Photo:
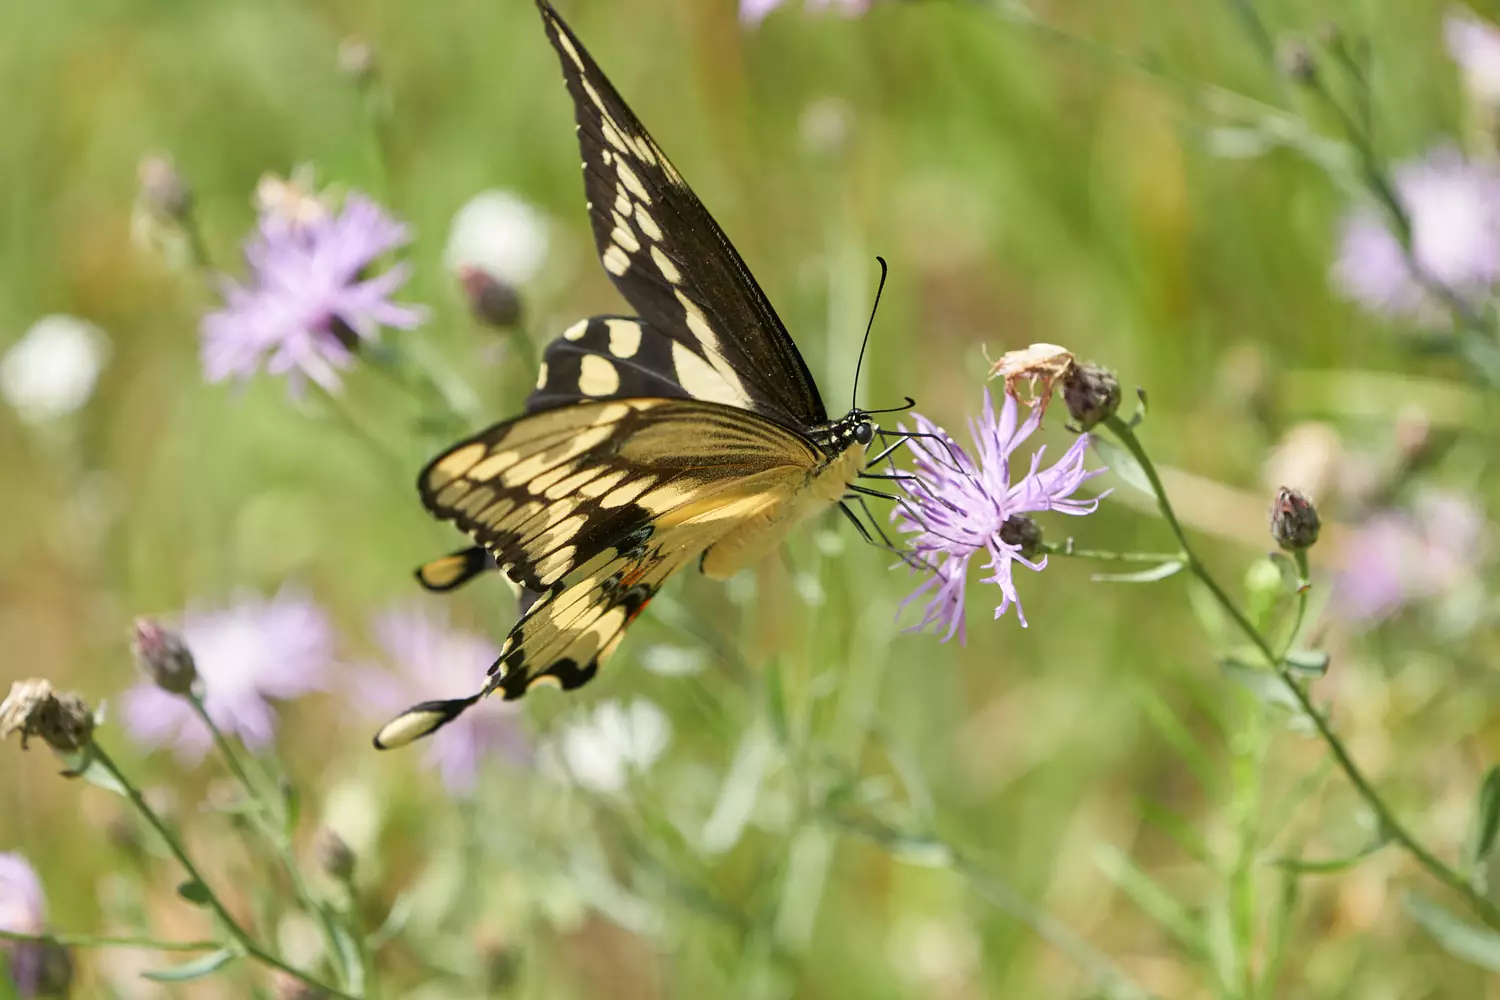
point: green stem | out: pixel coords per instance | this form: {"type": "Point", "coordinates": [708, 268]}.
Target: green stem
{"type": "Point", "coordinates": [1067, 548]}
{"type": "Point", "coordinates": [110, 941]}
{"type": "Point", "coordinates": [266, 823]}
{"type": "Point", "coordinates": [242, 938]}
{"type": "Point", "coordinates": [1383, 813]}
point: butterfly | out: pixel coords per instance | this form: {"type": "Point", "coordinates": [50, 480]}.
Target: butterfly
{"type": "Point", "coordinates": [690, 431]}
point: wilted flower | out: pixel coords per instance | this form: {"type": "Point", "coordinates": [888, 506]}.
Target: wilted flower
{"type": "Point", "coordinates": [1091, 394]}
{"type": "Point", "coordinates": [492, 301]}
{"type": "Point", "coordinates": [62, 719]}
{"type": "Point", "coordinates": [753, 11]}
{"type": "Point", "coordinates": [308, 303]}
{"type": "Point", "coordinates": [434, 661]}
{"type": "Point", "coordinates": [1453, 206]}
{"type": "Point", "coordinates": [50, 372]}
{"type": "Point", "coordinates": [958, 507]}
{"type": "Point", "coordinates": [1475, 47]}
{"type": "Point", "coordinates": [1396, 557]}
{"type": "Point", "coordinates": [247, 654]}
{"type": "Point", "coordinates": [603, 748]}
{"type": "Point", "coordinates": [502, 235]}
{"type": "Point", "coordinates": [333, 854]}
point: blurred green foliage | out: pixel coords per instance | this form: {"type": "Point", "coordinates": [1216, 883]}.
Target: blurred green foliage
{"type": "Point", "coordinates": [1024, 189]}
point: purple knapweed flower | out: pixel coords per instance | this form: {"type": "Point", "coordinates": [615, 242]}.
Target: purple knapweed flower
{"type": "Point", "coordinates": [1453, 206]}
{"type": "Point", "coordinates": [754, 11]}
{"type": "Point", "coordinates": [1397, 557]}
{"type": "Point", "coordinates": [958, 507]}
{"type": "Point", "coordinates": [433, 661]}
{"type": "Point", "coordinates": [246, 655]}
{"type": "Point", "coordinates": [23, 910]}
{"type": "Point", "coordinates": [308, 302]}
{"type": "Point", "coordinates": [1475, 46]}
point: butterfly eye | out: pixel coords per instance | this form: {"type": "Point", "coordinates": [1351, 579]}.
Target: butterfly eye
{"type": "Point", "coordinates": [864, 432]}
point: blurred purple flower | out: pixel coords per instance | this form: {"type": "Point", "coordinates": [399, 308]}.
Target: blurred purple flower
{"type": "Point", "coordinates": [1453, 205]}
{"type": "Point", "coordinates": [307, 304]}
{"type": "Point", "coordinates": [959, 508]}
{"type": "Point", "coordinates": [23, 910]}
{"type": "Point", "coordinates": [1397, 557]}
{"type": "Point", "coordinates": [434, 661]}
{"type": "Point", "coordinates": [246, 654]}
{"type": "Point", "coordinates": [1475, 47]}
{"type": "Point", "coordinates": [754, 11]}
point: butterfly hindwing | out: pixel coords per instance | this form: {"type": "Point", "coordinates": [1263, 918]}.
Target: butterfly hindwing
{"type": "Point", "coordinates": [669, 257]}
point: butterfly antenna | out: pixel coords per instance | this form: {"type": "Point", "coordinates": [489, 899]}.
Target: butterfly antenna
{"type": "Point", "coordinates": [884, 269]}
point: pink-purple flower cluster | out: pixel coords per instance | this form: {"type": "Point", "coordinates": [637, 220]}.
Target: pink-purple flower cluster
{"type": "Point", "coordinates": [309, 300]}
{"type": "Point", "coordinates": [959, 507]}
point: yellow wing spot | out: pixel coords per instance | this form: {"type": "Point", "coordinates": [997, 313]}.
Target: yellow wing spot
{"type": "Point", "coordinates": [609, 649]}
{"type": "Point", "coordinates": [541, 376]}
{"type": "Point", "coordinates": [622, 496]}
{"type": "Point", "coordinates": [701, 379]}
{"type": "Point", "coordinates": [577, 330]}
{"type": "Point", "coordinates": [443, 571]}
{"type": "Point", "coordinates": [450, 494]}
{"type": "Point", "coordinates": [543, 680]}
{"type": "Point", "coordinates": [602, 485]}
{"type": "Point", "coordinates": [616, 261]}
{"type": "Point", "coordinates": [665, 266]}
{"type": "Point", "coordinates": [624, 338]}
{"type": "Point", "coordinates": [495, 512]}
{"type": "Point", "coordinates": [624, 237]}
{"type": "Point", "coordinates": [408, 726]}
{"type": "Point", "coordinates": [643, 149]}
{"type": "Point", "coordinates": [454, 464]}
{"type": "Point", "coordinates": [632, 182]}
{"type": "Point", "coordinates": [647, 223]}
{"type": "Point", "coordinates": [664, 498]}
{"type": "Point", "coordinates": [572, 483]}
{"type": "Point", "coordinates": [597, 376]}
{"type": "Point", "coordinates": [549, 478]}
{"type": "Point", "coordinates": [493, 466]}
{"type": "Point", "coordinates": [567, 44]}
{"type": "Point", "coordinates": [622, 200]}
{"type": "Point", "coordinates": [613, 137]}
{"type": "Point", "coordinates": [588, 88]}
{"type": "Point", "coordinates": [519, 516]}
{"type": "Point", "coordinates": [475, 501]}
{"type": "Point", "coordinates": [558, 534]}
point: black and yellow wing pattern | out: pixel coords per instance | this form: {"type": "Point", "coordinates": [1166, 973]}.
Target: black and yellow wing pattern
{"type": "Point", "coordinates": [693, 431]}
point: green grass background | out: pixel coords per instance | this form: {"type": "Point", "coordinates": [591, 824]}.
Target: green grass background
{"type": "Point", "coordinates": [1023, 189]}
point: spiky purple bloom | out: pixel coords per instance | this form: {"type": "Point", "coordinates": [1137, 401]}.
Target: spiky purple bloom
{"type": "Point", "coordinates": [754, 11]}
{"type": "Point", "coordinates": [1453, 205]}
{"type": "Point", "coordinates": [308, 302]}
{"type": "Point", "coordinates": [247, 655]}
{"type": "Point", "coordinates": [433, 661]}
{"type": "Point", "coordinates": [23, 910]}
{"type": "Point", "coordinates": [957, 506]}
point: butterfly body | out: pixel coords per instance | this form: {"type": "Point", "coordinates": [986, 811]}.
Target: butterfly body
{"type": "Point", "coordinates": [690, 432]}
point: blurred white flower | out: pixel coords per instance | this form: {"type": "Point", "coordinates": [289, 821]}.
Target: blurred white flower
{"type": "Point", "coordinates": [1475, 47]}
{"type": "Point", "coordinates": [601, 749]}
{"type": "Point", "coordinates": [501, 234]}
{"type": "Point", "coordinates": [50, 372]}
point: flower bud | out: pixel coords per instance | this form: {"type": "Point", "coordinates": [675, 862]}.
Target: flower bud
{"type": "Point", "coordinates": [162, 656]}
{"type": "Point", "coordinates": [334, 856]}
{"type": "Point", "coordinates": [357, 59]}
{"type": "Point", "coordinates": [1294, 520]}
{"type": "Point", "coordinates": [493, 302]}
{"type": "Point", "coordinates": [1296, 61]}
{"type": "Point", "coordinates": [1092, 395]}
{"type": "Point", "coordinates": [162, 189]}
{"type": "Point", "coordinates": [1021, 530]}
{"type": "Point", "coordinates": [32, 708]}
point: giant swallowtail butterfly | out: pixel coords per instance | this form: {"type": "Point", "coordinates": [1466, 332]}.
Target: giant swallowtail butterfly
{"type": "Point", "coordinates": [691, 431]}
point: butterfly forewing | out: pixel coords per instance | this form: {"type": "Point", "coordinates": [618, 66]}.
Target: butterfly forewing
{"type": "Point", "coordinates": [671, 260]}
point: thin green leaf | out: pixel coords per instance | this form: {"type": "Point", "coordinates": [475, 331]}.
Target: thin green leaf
{"type": "Point", "coordinates": [291, 805]}
{"type": "Point", "coordinates": [1312, 662]}
{"type": "Point", "coordinates": [350, 958]}
{"type": "Point", "coordinates": [81, 764]}
{"type": "Point", "coordinates": [1170, 568]}
{"type": "Point", "coordinates": [1486, 818]}
{"type": "Point", "coordinates": [195, 892]}
{"type": "Point", "coordinates": [1123, 464]}
{"type": "Point", "coordinates": [196, 969]}
{"type": "Point", "coordinates": [1153, 900]}
{"type": "Point", "coordinates": [1183, 831]}
{"type": "Point", "coordinates": [741, 787]}
{"type": "Point", "coordinates": [1328, 866]}
{"type": "Point", "coordinates": [1264, 685]}
{"type": "Point", "coordinates": [1457, 936]}
{"type": "Point", "coordinates": [394, 923]}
